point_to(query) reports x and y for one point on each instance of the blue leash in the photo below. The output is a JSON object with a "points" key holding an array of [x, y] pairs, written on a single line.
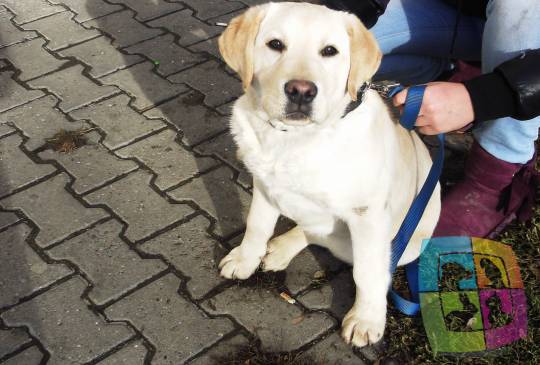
{"points": [[411, 110]]}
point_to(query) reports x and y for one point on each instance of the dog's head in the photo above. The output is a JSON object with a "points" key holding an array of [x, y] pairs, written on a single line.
{"points": [[301, 63]]}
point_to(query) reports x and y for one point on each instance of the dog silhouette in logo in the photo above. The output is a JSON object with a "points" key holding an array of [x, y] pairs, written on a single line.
{"points": [[492, 273], [462, 320], [452, 274], [496, 317]]}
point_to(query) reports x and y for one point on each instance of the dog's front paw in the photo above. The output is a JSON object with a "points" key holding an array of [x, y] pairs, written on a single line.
{"points": [[238, 266], [361, 330]]}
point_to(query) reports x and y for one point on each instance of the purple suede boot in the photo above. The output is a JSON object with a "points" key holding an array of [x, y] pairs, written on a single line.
{"points": [[492, 194]]}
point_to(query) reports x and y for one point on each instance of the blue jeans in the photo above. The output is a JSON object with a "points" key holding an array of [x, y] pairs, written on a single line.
{"points": [[415, 37]]}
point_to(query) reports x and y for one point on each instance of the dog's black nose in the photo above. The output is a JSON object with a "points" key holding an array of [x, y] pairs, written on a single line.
{"points": [[300, 91]]}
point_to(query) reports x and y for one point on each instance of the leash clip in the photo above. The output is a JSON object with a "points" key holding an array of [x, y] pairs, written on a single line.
{"points": [[384, 89]]}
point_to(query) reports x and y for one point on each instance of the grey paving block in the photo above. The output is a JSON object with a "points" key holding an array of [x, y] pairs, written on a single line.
{"points": [[29, 10], [332, 350], [13, 94], [92, 165], [10, 33], [224, 148], [186, 26], [123, 28], [22, 271], [17, 169], [109, 263], [88, 9], [12, 339], [165, 157], [196, 121], [121, 123], [132, 354], [61, 30], [191, 251], [209, 78], [279, 325], [65, 325], [257, 2], [73, 88], [101, 56], [209, 45], [336, 296], [145, 86], [56, 213], [149, 9], [6, 219], [223, 350], [301, 271], [144, 210], [168, 57], [5, 129], [213, 8], [31, 355], [40, 120], [31, 59], [177, 328], [216, 193]]}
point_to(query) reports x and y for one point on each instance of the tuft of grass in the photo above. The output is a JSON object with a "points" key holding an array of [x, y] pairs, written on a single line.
{"points": [[68, 141], [252, 355]]}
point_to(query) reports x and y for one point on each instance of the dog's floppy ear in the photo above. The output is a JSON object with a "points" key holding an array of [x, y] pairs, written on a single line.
{"points": [[237, 42], [365, 55]]}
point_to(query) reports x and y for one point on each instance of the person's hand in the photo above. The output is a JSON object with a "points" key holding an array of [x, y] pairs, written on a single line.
{"points": [[446, 107]]}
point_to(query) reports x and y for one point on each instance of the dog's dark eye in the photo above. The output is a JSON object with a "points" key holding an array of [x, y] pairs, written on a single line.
{"points": [[329, 51], [276, 45]]}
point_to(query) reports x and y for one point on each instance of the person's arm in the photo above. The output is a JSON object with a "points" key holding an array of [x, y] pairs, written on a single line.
{"points": [[367, 10], [511, 90]]}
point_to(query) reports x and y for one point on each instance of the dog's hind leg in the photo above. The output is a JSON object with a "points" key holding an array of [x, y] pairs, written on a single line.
{"points": [[282, 249]]}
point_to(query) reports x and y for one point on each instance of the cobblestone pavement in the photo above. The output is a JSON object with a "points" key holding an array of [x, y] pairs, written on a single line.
{"points": [[108, 252]]}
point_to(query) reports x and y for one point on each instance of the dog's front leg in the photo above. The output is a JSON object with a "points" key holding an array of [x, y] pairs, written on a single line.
{"points": [[243, 260], [364, 323]]}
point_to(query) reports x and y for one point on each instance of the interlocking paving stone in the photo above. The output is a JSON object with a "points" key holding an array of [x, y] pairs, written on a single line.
{"points": [[73, 88], [29, 356], [164, 156], [17, 169], [209, 45], [92, 165], [137, 204], [29, 10], [123, 28], [12, 339], [7, 218], [101, 56], [210, 9], [88, 9], [107, 261], [191, 251], [132, 354], [265, 314], [5, 129], [40, 120], [224, 148], [168, 56], [215, 192], [188, 28], [120, 122], [22, 271], [218, 86], [223, 350], [336, 296], [65, 325], [196, 121], [13, 94], [145, 86], [177, 328], [53, 210], [332, 350], [31, 59], [148, 9], [61, 30], [10, 33]]}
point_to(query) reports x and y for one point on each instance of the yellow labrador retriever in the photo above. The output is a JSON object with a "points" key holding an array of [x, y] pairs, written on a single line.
{"points": [[346, 180]]}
